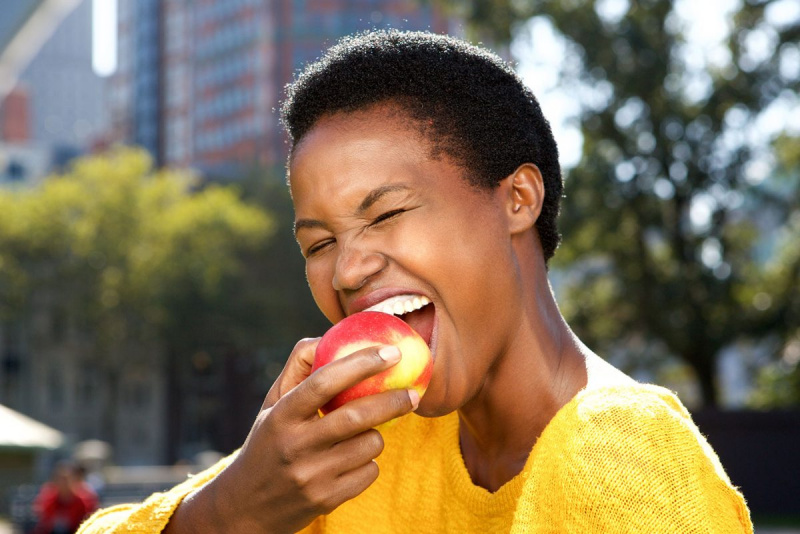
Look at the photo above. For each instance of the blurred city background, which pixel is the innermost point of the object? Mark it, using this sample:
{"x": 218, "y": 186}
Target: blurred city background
{"x": 151, "y": 288}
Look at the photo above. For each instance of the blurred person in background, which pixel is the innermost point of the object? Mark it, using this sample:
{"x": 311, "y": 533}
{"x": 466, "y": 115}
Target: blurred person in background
{"x": 423, "y": 172}
{"x": 64, "y": 502}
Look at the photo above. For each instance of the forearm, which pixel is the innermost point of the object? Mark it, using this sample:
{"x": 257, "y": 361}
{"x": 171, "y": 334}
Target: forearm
{"x": 227, "y": 504}
{"x": 154, "y": 514}
{"x": 198, "y": 512}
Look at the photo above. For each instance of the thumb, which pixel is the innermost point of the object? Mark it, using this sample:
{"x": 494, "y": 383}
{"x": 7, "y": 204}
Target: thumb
{"x": 297, "y": 369}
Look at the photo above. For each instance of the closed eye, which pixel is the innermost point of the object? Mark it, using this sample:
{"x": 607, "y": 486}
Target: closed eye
{"x": 316, "y": 247}
{"x": 385, "y": 216}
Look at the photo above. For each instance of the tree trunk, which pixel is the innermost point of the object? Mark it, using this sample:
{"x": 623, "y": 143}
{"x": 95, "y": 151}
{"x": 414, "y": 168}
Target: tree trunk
{"x": 704, "y": 367}
{"x": 173, "y": 419}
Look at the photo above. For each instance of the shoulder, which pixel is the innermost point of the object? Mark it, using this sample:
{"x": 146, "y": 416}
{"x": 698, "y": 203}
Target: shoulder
{"x": 616, "y": 404}
{"x": 623, "y": 411}
{"x": 632, "y": 454}
{"x": 633, "y": 425}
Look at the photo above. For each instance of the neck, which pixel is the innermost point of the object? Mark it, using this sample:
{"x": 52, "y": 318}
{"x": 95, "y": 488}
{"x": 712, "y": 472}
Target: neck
{"x": 540, "y": 371}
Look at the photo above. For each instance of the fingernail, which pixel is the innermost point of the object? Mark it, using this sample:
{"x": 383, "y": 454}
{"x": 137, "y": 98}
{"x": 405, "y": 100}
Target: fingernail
{"x": 413, "y": 394}
{"x": 390, "y": 353}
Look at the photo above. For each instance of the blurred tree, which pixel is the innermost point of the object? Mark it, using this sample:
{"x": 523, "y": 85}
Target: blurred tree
{"x": 138, "y": 257}
{"x": 281, "y": 270}
{"x": 247, "y": 336}
{"x": 680, "y": 223}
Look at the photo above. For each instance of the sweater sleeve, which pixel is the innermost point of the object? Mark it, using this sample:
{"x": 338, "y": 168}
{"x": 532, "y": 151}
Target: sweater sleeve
{"x": 629, "y": 461}
{"x": 152, "y": 515}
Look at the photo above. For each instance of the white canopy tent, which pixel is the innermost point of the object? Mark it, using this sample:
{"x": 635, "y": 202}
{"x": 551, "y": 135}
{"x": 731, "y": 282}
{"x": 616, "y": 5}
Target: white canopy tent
{"x": 18, "y": 431}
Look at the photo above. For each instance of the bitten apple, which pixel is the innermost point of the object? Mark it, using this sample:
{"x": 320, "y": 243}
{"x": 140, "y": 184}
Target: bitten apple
{"x": 367, "y": 329}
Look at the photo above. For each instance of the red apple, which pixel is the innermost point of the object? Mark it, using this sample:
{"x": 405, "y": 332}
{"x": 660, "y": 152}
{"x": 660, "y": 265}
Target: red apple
{"x": 367, "y": 329}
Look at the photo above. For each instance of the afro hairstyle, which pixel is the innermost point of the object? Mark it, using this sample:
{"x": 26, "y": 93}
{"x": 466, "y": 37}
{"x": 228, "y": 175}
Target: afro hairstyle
{"x": 473, "y": 106}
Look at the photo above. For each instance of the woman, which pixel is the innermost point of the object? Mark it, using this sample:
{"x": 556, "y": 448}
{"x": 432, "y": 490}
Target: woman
{"x": 422, "y": 167}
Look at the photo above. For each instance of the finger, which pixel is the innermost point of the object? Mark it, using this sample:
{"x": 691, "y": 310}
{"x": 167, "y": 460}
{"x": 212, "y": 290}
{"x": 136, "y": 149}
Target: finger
{"x": 357, "y": 451}
{"x": 367, "y": 412}
{"x": 328, "y": 381}
{"x": 297, "y": 369}
{"x": 352, "y": 483}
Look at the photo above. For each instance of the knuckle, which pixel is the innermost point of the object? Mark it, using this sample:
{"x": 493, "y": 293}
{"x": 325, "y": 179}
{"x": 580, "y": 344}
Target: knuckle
{"x": 325, "y": 502}
{"x": 305, "y": 344}
{"x": 352, "y": 418}
{"x": 327, "y": 505}
{"x": 319, "y": 498}
{"x": 317, "y": 384}
{"x": 287, "y": 454}
{"x": 301, "y": 479}
{"x": 374, "y": 443}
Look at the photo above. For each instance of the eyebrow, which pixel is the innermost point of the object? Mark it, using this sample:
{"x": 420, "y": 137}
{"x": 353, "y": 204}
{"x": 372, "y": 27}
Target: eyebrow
{"x": 376, "y": 195}
{"x": 371, "y": 198}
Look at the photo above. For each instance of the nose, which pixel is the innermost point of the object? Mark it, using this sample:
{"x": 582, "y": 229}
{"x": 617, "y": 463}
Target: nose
{"x": 355, "y": 265}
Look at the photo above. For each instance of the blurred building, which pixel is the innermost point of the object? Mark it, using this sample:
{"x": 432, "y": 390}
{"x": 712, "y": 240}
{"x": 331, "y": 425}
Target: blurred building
{"x": 52, "y": 104}
{"x": 15, "y": 116}
{"x": 52, "y": 108}
{"x": 67, "y": 111}
{"x": 21, "y": 163}
{"x": 199, "y": 82}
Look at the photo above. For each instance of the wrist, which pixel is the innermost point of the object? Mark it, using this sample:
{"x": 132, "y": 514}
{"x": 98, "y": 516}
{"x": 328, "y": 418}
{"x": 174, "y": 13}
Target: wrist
{"x": 198, "y": 512}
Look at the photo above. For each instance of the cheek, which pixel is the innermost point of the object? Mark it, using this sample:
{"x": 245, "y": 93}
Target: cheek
{"x": 320, "y": 280}
{"x": 477, "y": 268}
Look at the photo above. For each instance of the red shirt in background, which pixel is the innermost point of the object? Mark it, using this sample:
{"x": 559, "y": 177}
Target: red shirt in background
{"x": 62, "y": 512}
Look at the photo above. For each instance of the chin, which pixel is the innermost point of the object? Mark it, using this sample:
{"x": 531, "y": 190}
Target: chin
{"x": 433, "y": 403}
{"x": 434, "y": 411}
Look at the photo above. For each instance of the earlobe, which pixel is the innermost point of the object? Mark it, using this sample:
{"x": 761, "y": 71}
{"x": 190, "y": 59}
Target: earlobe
{"x": 525, "y": 197}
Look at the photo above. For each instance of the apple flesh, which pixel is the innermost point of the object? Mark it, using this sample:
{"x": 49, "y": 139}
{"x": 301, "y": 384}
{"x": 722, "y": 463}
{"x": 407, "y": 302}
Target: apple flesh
{"x": 368, "y": 329}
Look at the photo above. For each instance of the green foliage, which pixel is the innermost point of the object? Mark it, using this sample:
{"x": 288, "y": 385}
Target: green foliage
{"x": 777, "y": 386}
{"x": 131, "y": 267}
{"x": 123, "y": 247}
{"x": 678, "y": 228}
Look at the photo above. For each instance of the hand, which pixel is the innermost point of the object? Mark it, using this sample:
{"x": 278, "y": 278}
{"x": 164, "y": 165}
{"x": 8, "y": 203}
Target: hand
{"x": 297, "y": 369}
{"x": 294, "y": 465}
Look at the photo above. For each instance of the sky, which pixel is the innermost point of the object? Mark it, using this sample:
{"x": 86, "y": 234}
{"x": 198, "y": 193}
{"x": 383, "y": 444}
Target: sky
{"x": 104, "y": 37}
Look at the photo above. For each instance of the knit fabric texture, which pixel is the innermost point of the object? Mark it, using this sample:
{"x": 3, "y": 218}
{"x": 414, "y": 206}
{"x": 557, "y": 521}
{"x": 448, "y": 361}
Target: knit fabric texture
{"x": 618, "y": 459}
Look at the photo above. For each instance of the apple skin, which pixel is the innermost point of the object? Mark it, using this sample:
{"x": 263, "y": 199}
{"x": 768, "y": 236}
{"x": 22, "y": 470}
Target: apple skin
{"x": 367, "y": 329}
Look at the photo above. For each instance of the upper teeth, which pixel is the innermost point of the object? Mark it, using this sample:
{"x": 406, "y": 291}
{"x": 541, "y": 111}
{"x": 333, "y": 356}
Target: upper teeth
{"x": 400, "y": 304}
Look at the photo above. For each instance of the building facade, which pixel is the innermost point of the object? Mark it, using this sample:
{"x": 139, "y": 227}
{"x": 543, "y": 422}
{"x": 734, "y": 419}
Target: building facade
{"x": 199, "y": 83}
{"x": 66, "y": 99}
{"x": 50, "y": 368}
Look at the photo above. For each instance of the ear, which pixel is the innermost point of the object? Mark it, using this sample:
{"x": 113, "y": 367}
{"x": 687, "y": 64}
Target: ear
{"x": 523, "y": 195}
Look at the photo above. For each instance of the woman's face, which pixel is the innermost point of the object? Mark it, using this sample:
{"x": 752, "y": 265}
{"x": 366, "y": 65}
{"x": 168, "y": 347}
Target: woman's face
{"x": 378, "y": 218}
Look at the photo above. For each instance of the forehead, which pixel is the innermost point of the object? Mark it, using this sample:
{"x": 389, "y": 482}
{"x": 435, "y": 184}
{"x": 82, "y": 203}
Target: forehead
{"x": 347, "y": 159}
{"x": 378, "y": 120}
{"x": 345, "y": 149}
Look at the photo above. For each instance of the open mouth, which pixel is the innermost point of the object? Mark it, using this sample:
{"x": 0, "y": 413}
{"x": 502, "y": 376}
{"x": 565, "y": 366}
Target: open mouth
{"x": 417, "y": 311}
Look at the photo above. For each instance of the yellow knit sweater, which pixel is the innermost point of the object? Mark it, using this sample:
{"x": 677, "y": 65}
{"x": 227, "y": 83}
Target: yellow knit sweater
{"x": 613, "y": 460}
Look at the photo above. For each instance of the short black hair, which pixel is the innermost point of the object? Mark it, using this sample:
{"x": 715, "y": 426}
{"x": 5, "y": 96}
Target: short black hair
{"x": 472, "y": 105}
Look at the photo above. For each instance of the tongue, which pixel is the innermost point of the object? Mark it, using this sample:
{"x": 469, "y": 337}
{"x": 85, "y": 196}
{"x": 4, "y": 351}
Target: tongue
{"x": 422, "y": 321}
